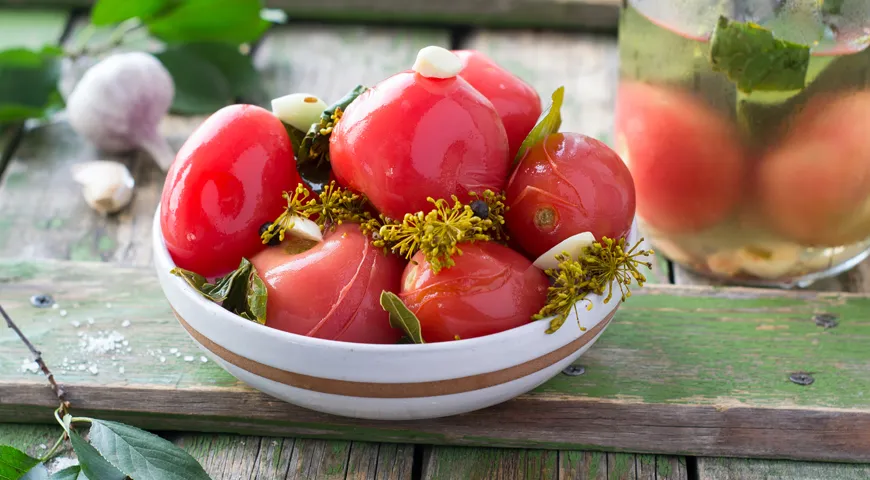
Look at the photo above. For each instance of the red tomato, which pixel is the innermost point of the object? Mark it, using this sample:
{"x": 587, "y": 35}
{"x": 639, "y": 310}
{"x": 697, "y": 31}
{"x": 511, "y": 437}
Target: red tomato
{"x": 815, "y": 187}
{"x": 412, "y": 137}
{"x": 333, "y": 290}
{"x": 516, "y": 102}
{"x": 565, "y": 185}
{"x": 490, "y": 289}
{"x": 225, "y": 182}
{"x": 687, "y": 160}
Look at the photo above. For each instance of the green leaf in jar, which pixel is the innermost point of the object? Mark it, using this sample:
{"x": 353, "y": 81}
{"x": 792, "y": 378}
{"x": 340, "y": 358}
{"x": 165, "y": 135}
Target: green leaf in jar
{"x": 401, "y": 317}
{"x": 315, "y": 145}
{"x": 256, "y": 299}
{"x": 547, "y": 125}
{"x": 754, "y": 59}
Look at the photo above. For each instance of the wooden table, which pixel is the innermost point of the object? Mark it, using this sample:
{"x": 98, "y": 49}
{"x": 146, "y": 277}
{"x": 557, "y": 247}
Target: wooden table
{"x": 687, "y": 375}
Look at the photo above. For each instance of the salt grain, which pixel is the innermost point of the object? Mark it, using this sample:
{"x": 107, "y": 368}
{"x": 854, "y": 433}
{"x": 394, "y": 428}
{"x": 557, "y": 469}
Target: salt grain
{"x": 55, "y": 306}
{"x": 91, "y": 320}
{"x": 129, "y": 349}
{"x": 28, "y": 365}
{"x": 125, "y": 343}
{"x": 173, "y": 350}
{"x": 162, "y": 359}
{"x": 42, "y": 446}
{"x": 125, "y": 323}
{"x": 203, "y": 359}
{"x": 188, "y": 358}
{"x": 121, "y": 370}
{"x": 76, "y": 323}
{"x": 177, "y": 354}
{"x": 108, "y": 305}
{"x": 93, "y": 369}
{"x": 63, "y": 313}
{"x": 101, "y": 343}
{"x": 82, "y": 367}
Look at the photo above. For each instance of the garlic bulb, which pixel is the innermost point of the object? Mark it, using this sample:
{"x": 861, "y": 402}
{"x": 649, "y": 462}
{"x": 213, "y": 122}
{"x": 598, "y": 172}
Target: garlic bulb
{"x": 118, "y": 104}
{"x": 106, "y": 185}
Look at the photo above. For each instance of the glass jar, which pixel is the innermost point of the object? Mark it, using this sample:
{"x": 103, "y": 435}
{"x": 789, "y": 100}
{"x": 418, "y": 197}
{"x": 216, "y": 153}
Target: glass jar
{"x": 746, "y": 125}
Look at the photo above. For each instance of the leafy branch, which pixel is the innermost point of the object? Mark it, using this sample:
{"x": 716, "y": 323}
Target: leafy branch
{"x": 113, "y": 451}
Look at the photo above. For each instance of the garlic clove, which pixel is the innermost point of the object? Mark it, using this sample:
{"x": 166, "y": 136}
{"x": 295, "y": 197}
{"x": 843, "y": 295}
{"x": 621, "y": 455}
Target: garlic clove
{"x": 299, "y": 110}
{"x": 574, "y": 245}
{"x": 305, "y": 229}
{"x": 769, "y": 261}
{"x": 107, "y": 186}
{"x": 724, "y": 262}
{"x": 437, "y": 62}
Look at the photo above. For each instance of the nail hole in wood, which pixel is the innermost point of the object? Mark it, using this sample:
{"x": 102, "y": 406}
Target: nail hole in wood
{"x": 801, "y": 378}
{"x": 41, "y": 301}
{"x": 574, "y": 370}
{"x": 826, "y": 320}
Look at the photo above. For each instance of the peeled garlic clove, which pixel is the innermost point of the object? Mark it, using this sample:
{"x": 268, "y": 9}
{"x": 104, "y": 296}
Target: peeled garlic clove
{"x": 107, "y": 186}
{"x": 725, "y": 263}
{"x": 437, "y": 62}
{"x": 574, "y": 245}
{"x": 305, "y": 229}
{"x": 770, "y": 261}
{"x": 299, "y": 110}
{"x": 119, "y": 102}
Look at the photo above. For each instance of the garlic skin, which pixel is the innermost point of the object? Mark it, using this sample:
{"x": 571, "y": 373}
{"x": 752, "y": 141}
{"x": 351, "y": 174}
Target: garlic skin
{"x": 574, "y": 245}
{"x": 119, "y": 102}
{"x": 107, "y": 186}
{"x": 299, "y": 110}
{"x": 437, "y": 62}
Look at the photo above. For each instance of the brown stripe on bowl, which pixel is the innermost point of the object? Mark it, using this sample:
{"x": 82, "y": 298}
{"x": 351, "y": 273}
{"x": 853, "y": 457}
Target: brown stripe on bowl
{"x": 397, "y": 390}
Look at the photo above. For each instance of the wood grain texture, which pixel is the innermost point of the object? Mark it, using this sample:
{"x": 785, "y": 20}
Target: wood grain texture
{"x": 741, "y": 469}
{"x": 585, "y": 64}
{"x": 682, "y": 370}
{"x": 446, "y": 463}
{"x": 599, "y": 14}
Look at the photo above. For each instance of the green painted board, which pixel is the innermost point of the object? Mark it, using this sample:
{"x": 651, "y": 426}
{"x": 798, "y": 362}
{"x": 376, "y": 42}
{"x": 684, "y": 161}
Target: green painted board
{"x": 683, "y": 370}
{"x": 568, "y": 14}
{"x": 742, "y": 469}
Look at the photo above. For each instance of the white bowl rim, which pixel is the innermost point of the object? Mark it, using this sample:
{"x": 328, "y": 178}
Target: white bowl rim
{"x": 162, "y": 259}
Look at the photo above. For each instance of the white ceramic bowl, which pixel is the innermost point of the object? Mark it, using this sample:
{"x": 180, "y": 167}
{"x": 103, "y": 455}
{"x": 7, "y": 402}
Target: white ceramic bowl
{"x": 383, "y": 382}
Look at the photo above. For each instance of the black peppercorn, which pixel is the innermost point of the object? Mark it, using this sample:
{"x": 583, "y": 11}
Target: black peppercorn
{"x": 480, "y": 209}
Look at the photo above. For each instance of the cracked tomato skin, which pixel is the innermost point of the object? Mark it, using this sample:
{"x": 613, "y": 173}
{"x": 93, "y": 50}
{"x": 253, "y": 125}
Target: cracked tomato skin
{"x": 516, "y": 102}
{"x": 490, "y": 289}
{"x": 568, "y": 184}
{"x": 687, "y": 160}
{"x": 226, "y": 181}
{"x": 411, "y": 137}
{"x": 331, "y": 290}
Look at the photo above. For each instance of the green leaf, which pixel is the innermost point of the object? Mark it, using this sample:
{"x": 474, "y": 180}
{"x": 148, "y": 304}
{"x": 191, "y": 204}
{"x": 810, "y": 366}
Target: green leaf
{"x": 754, "y": 59}
{"x": 401, "y": 317}
{"x": 200, "y": 86}
{"x": 257, "y": 297}
{"x": 226, "y": 21}
{"x": 92, "y": 463}
{"x": 28, "y": 83}
{"x": 315, "y": 144}
{"x": 14, "y": 463}
{"x": 232, "y": 288}
{"x": 547, "y": 125}
{"x": 143, "y": 455}
{"x": 193, "y": 279}
{"x": 833, "y": 7}
{"x": 70, "y": 473}
{"x": 107, "y": 12}
{"x": 238, "y": 69}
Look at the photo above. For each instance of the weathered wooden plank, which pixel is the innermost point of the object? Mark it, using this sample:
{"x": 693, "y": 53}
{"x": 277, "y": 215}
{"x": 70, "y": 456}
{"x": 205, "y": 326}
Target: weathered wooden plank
{"x": 601, "y": 14}
{"x": 585, "y": 64}
{"x": 683, "y": 370}
{"x": 578, "y": 465}
{"x": 445, "y": 463}
{"x": 742, "y": 469}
